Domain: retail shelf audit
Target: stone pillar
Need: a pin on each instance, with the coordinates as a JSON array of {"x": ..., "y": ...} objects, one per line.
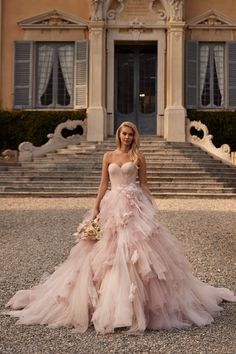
[
  {"x": 175, "y": 114},
  {"x": 96, "y": 111}
]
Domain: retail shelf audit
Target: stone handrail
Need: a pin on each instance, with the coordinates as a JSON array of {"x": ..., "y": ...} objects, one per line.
[
  {"x": 27, "y": 151},
  {"x": 205, "y": 142}
]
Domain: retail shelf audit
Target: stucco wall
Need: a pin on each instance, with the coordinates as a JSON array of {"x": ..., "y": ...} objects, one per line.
[
  {"x": 195, "y": 8},
  {"x": 14, "y": 11}
]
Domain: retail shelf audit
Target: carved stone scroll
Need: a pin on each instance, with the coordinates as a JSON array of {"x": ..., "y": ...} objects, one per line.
[
  {"x": 27, "y": 151},
  {"x": 9, "y": 156},
  {"x": 161, "y": 13},
  {"x": 205, "y": 142},
  {"x": 111, "y": 14}
]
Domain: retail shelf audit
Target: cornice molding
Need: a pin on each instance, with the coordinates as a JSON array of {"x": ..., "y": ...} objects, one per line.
[
  {"x": 212, "y": 19},
  {"x": 53, "y": 19}
]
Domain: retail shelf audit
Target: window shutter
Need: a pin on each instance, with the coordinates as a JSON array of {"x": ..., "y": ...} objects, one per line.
[
  {"x": 191, "y": 74},
  {"x": 232, "y": 74},
  {"x": 23, "y": 58},
  {"x": 81, "y": 74}
]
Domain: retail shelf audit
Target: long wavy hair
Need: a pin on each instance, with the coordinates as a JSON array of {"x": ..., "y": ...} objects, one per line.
[{"x": 134, "y": 148}]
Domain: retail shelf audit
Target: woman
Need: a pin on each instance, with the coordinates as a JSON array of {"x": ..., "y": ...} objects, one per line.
[{"x": 136, "y": 276}]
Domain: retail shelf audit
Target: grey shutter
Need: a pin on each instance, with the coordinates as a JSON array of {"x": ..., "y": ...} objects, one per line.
[
  {"x": 231, "y": 74},
  {"x": 191, "y": 74},
  {"x": 23, "y": 59},
  {"x": 81, "y": 74}
]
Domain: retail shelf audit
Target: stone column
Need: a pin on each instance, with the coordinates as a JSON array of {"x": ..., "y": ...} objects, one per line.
[
  {"x": 174, "y": 119},
  {"x": 96, "y": 111}
]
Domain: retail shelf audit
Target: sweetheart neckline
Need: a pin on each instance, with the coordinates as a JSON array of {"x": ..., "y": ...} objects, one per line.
[{"x": 120, "y": 166}]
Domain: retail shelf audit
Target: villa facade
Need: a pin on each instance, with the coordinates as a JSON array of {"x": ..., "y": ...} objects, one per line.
[{"x": 146, "y": 61}]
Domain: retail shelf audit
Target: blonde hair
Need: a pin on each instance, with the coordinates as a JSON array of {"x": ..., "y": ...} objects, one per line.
[{"x": 134, "y": 149}]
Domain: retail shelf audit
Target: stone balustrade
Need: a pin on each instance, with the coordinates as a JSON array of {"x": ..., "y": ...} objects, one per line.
[
  {"x": 27, "y": 151},
  {"x": 206, "y": 143}
]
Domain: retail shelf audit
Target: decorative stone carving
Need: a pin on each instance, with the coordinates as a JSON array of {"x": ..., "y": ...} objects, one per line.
[
  {"x": 9, "y": 156},
  {"x": 161, "y": 13},
  {"x": 136, "y": 28},
  {"x": 212, "y": 21},
  {"x": 27, "y": 151},
  {"x": 205, "y": 142},
  {"x": 136, "y": 24},
  {"x": 53, "y": 19},
  {"x": 111, "y": 14},
  {"x": 212, "y": 18},
  {"x": 97, "y": 10},
  {"x": 176, "y": 10}
]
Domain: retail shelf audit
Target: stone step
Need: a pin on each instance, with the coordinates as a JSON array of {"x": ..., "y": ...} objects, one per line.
[
  {"x": 173, "y": 170},
  {"x": 93, "y": 191},
  {"x": 161, "y": 151},
  {"x": 94, "y": 188},
  {"x": 95, "y": 163},
  {"x": 97, "y": 174},
  {"x": 188, "y": 171},
  {"x": 150, "y": 161},
  {"x": 67, "y": 185},
  {"x": 155, "y": 167},
  {"x": 96, "y": 179},
  {"x": 86, "y": 194}
]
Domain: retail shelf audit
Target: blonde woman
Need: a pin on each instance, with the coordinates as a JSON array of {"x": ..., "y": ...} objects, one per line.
[
  {"x": 135, "y": 276},
  {"x": 127, "y": 151}
]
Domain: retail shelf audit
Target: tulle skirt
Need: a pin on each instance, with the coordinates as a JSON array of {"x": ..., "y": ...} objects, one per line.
[{"x": 136, "y": 276}]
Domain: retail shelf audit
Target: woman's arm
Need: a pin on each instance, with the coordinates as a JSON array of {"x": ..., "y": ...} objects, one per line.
[
  {"x": 103, "y": 184},
  {"x": 143, "y": 177}
]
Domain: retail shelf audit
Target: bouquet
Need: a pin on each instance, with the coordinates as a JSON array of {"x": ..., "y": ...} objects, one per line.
[{"x": 89, "y": 230}]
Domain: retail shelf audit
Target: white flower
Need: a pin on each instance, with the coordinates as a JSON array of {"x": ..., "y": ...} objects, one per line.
[
  {"x": 132, "y": 292},
  {"x": 135, "y": 257}
]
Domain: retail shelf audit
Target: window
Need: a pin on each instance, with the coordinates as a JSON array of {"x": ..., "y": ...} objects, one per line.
[
  {"x": 55, "y": 66},
  {"x": 210, "y": 75},
  {"x": 51, "y": 75}
]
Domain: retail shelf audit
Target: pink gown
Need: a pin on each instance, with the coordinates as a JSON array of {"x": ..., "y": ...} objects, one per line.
[{"x": 136, "y": 276}]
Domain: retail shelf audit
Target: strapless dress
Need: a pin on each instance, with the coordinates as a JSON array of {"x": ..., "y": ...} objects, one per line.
[{"x": 136, "y": 276}]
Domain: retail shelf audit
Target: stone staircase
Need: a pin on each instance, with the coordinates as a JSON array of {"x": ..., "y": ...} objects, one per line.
[{"x": 173, "y": 170}]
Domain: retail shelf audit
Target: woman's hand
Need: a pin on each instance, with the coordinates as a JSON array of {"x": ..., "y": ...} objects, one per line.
[{"x": 95, "y": 213}]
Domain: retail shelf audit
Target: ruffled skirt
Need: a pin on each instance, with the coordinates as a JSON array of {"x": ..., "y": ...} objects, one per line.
[{"x": 136, "y": 277}]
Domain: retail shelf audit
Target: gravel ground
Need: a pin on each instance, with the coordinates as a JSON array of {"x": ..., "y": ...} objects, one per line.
[{"x": 36, "y": 235}]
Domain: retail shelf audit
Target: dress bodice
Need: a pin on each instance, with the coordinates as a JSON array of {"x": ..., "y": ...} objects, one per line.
[{"x": 122, "y": 175}]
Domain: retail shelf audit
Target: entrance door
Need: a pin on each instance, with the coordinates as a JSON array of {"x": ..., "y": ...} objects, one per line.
[{"x": 135, "y": 86}]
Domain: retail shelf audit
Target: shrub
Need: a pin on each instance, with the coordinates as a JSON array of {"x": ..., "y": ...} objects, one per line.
[{"x": 33, "y": 126}]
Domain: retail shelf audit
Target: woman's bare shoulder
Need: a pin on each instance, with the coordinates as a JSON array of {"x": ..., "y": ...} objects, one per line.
[{"x": 107, "y": 157}]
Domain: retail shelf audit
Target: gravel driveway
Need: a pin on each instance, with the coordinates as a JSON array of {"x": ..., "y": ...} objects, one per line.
[{"x": 36, "y": 235}]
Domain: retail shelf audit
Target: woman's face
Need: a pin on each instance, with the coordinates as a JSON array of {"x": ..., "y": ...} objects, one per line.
[{"x": 126, "y": 136}]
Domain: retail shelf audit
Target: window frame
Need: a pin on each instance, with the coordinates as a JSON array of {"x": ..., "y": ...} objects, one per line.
[
  {"x": 55, "y": 105},
  {"x": 192, "y": 76},
  {"x": 24, "y": 84},
  {"x": 211, "y": 106}
]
